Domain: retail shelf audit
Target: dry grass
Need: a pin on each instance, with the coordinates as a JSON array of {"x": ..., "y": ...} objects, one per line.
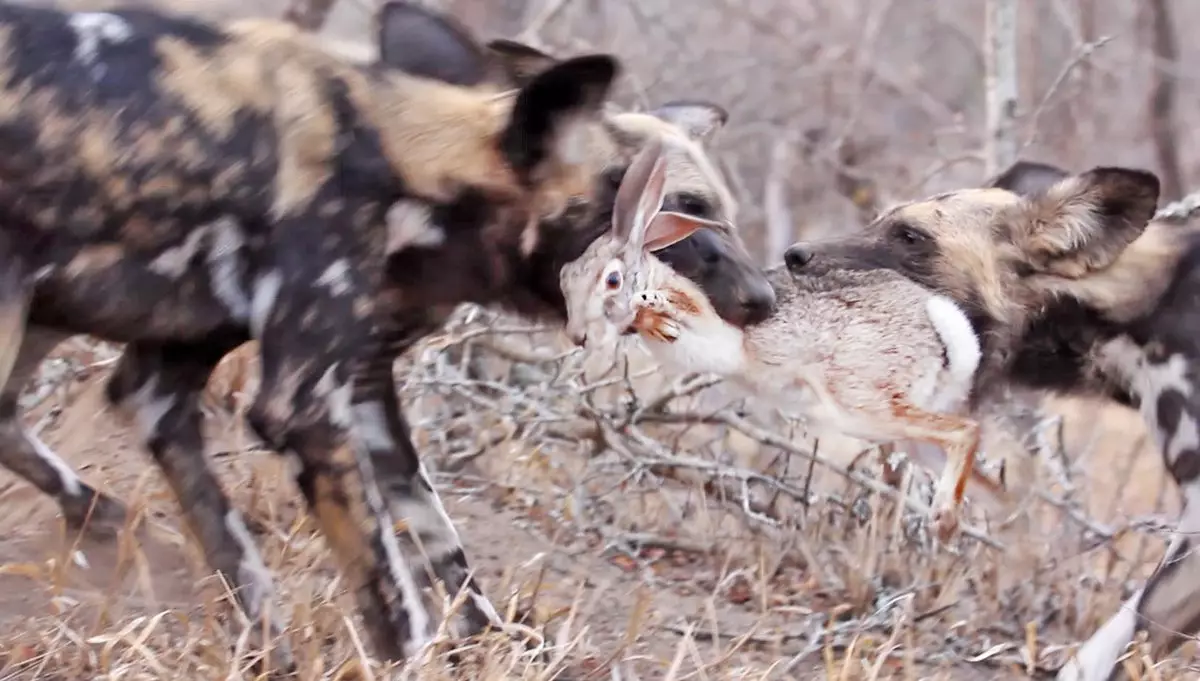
[
  {"x": 637, "y": 523},
  {"x": 645, "y": 533}
]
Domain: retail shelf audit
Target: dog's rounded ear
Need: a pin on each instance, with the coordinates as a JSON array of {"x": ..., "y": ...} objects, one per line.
[
  {"x": 1028, "y": 178},
  {"x": 698, "y": 119},
  {"x": 1084, "y": 222},
  {"x": 429, "y": 44},
  {"x": 556, "y": 105}
]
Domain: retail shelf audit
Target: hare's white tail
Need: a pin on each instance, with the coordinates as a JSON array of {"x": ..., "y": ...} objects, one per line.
[{"x": 963, "y": 352}]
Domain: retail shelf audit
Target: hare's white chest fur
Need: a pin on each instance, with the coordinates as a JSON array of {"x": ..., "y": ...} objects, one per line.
[{"x": 707, "y": 345}]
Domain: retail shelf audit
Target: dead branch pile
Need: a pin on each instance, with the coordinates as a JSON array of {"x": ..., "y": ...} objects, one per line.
[{"x": 804, "y": 557}]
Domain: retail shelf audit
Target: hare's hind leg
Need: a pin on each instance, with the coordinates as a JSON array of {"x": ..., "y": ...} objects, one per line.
[
  {"x": 960, "y": 447},
  {"x": 958, "y": 437}
]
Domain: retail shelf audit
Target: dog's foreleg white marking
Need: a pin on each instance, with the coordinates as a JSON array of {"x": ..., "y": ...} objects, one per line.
[
  {"x": 1172, "y": 585},
  {"x": 71, "y": 483},
  {"x": 1096, "y": 658},
  {"x": 414, "y": 606},
  {"x": 253, "y": 576},
  {"x": 1125, "y": 360},
  {"x": 173, "y": 262},
  {"x": 266, "y": 290},
  {"x": 224, "y": 260},
  {"x": 337, "y": 398},
  {"x": 150, "y": 407},
  {"x": 439, "y": 538},
  {"x": 423, "y": 512}
]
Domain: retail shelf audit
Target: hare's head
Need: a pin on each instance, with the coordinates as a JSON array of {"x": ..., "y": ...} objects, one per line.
[{"x": 601, "y": 285}]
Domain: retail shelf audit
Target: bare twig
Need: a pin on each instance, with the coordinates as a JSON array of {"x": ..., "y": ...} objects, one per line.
[{"x": 1081, "y": 58}]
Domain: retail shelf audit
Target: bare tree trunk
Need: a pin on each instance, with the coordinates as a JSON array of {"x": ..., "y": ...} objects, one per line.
[
  {"x": 779, "y": 226},
  {"x": 1165, "y": 48},
  {"x": 1001, "y": 75},
  {"x": 1019, "y": 412}
]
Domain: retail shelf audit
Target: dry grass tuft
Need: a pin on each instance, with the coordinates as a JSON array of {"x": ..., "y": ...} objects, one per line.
[{"x": 632, "y": 524}]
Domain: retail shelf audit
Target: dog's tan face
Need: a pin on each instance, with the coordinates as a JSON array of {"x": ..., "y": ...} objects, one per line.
[{"x": 1003, "y": 256}]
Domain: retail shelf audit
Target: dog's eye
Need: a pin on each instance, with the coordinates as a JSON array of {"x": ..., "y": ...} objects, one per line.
[
  {"x": 906, "y": 234},
  {"x": 689, "y": 204}
]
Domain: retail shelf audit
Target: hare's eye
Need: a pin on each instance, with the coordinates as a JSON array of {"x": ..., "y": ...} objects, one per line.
[{"x": 612, "y": 281}]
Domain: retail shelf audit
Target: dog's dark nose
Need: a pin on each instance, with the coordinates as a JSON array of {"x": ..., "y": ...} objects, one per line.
[
  {"x": 758, "y": 301},
  {"x": 797, "y": 256}
]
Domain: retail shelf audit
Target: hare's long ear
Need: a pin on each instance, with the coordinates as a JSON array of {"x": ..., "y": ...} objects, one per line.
[
  {"x": 640, "y": 195},
  {"x": 669, "y": 228}
]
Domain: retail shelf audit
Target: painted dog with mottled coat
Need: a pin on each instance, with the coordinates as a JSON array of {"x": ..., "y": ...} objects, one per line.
[
  {"x": 139, "y": 131},
  {"x": 217, "y": 263},
  {"x": 1074, "y": 288}
]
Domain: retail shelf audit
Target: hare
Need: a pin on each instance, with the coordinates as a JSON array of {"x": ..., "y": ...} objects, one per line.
[{"x": 869, "y": 354}]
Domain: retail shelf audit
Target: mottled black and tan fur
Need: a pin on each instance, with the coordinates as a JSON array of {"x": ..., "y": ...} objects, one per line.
[
  {"x": 1075, "y": 288},
  {"x": 239, "y": 214},
  {"x": 139, "y": 143}
]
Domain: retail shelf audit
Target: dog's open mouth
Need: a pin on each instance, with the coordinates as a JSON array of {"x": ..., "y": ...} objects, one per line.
[{"x": 629, "y": 331}]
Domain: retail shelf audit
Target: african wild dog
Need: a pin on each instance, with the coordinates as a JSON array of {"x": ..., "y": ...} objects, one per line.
[
  {"x": 715, "y": 257},
  {"x": 1075, "y": 289},
  {"x": 241, "y": 243},
  {"x": 139, "y": 131},
  {"x": 82, "y": 506}
]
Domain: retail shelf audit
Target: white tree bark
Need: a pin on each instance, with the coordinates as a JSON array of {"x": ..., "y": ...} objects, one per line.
[
  {"x": 1000, "y": 57},
  {"x": 780, "y": 230}
]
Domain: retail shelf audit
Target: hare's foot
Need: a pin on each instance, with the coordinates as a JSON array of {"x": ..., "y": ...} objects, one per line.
[
  {"x": 944, "y": 510},
  {"x": 655, "y": 316},
  {"x": 945, "y": 520}
]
